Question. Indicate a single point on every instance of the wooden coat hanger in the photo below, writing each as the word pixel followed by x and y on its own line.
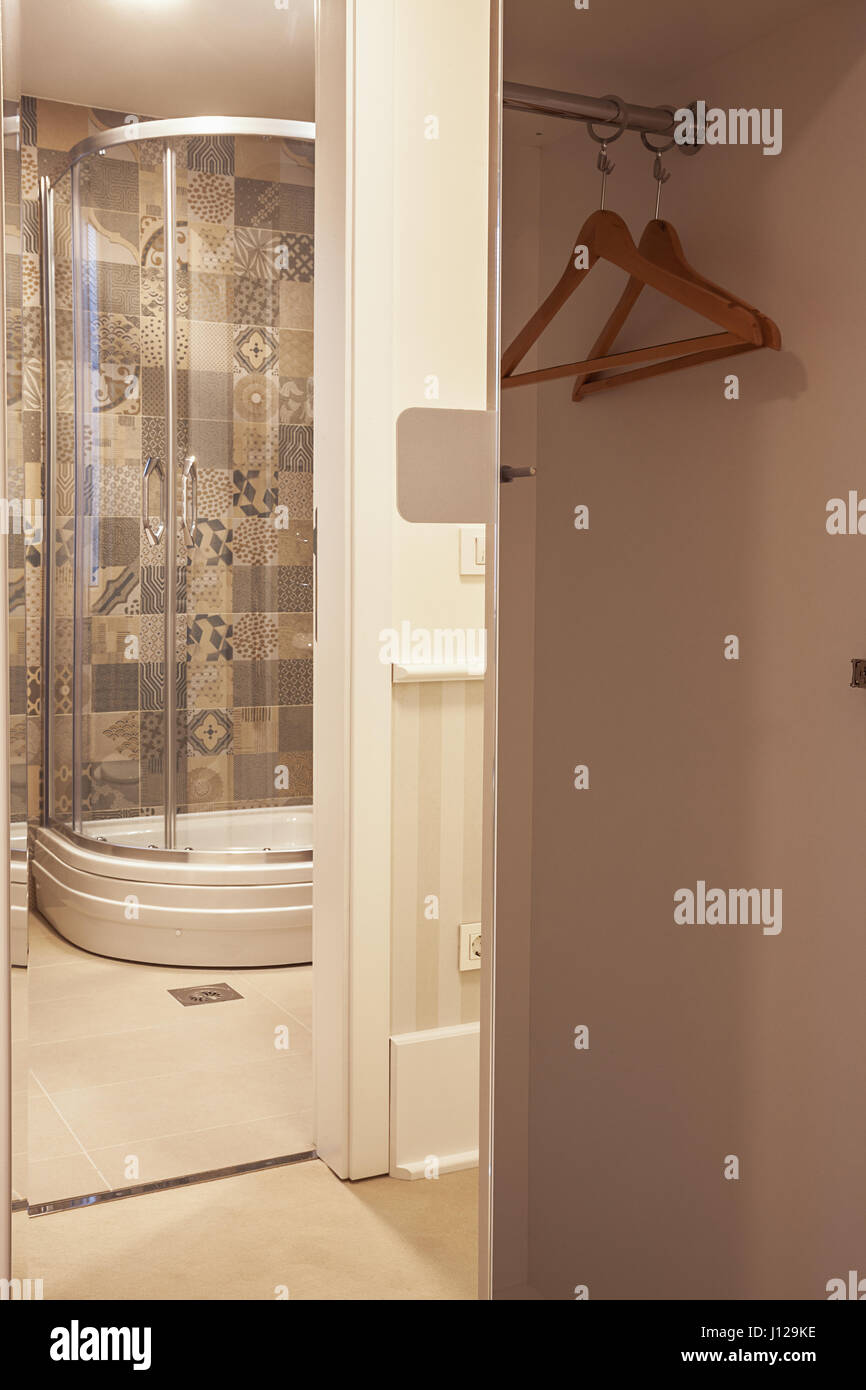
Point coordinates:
pixel 606 237
pixel 660 243
pixel 658 262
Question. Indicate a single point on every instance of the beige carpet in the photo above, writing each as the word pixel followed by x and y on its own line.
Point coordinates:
pixel 296 1228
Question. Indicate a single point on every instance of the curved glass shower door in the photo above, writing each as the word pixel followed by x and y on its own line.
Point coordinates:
pixel 245 368
pixel 179 279
pixel 111 462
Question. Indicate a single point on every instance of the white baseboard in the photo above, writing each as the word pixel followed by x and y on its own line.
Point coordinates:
pixel 434 1101
pixel 450 1163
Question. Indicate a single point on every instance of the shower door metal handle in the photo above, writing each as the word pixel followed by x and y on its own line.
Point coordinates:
pixel 189 498
pixel 154 533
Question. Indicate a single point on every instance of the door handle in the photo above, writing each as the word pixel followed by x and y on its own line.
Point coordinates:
pixel 153 533
pixel 189 498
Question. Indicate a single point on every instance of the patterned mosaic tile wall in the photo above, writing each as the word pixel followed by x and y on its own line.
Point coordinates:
pixel 244 357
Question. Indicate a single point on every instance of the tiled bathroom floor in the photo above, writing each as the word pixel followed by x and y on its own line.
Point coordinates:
pixel 298 1227
pixel 128 1086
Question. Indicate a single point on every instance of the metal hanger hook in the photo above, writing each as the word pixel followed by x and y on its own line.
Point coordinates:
pixel 620 120
pixel 603 163
pixel 605 167
pixel 661 176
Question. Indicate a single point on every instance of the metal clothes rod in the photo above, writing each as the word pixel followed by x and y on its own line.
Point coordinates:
pixel 569 106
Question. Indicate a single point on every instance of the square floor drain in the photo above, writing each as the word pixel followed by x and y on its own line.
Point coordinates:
pixel 204 994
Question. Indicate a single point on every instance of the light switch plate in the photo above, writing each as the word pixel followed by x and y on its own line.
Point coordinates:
pixel 472 549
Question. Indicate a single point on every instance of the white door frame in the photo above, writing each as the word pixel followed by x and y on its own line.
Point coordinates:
pixel 352 697
pixel 357 402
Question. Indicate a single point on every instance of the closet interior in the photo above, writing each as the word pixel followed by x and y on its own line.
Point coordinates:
pixel 677 621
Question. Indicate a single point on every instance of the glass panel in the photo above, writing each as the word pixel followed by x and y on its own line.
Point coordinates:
pixel 20 510
pixel 120 678
pixel 21 518
pixel 60 500
pixel 245 358
pixel 240 685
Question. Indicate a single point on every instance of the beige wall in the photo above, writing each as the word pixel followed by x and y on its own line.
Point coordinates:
pixel 707 518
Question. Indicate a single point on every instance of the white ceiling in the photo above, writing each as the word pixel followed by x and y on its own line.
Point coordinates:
pixel 172 57
pixel 249 58
pixel 644 50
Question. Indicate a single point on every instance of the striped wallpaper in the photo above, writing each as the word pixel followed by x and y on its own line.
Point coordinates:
pixel 436 843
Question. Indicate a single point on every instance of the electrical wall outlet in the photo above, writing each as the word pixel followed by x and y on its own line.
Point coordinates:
pixel 470 946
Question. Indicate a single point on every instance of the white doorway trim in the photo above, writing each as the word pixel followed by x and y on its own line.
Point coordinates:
pixel 398 305
pixel 354 508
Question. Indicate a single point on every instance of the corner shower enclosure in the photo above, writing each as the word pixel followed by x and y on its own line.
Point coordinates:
pixel 177 262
